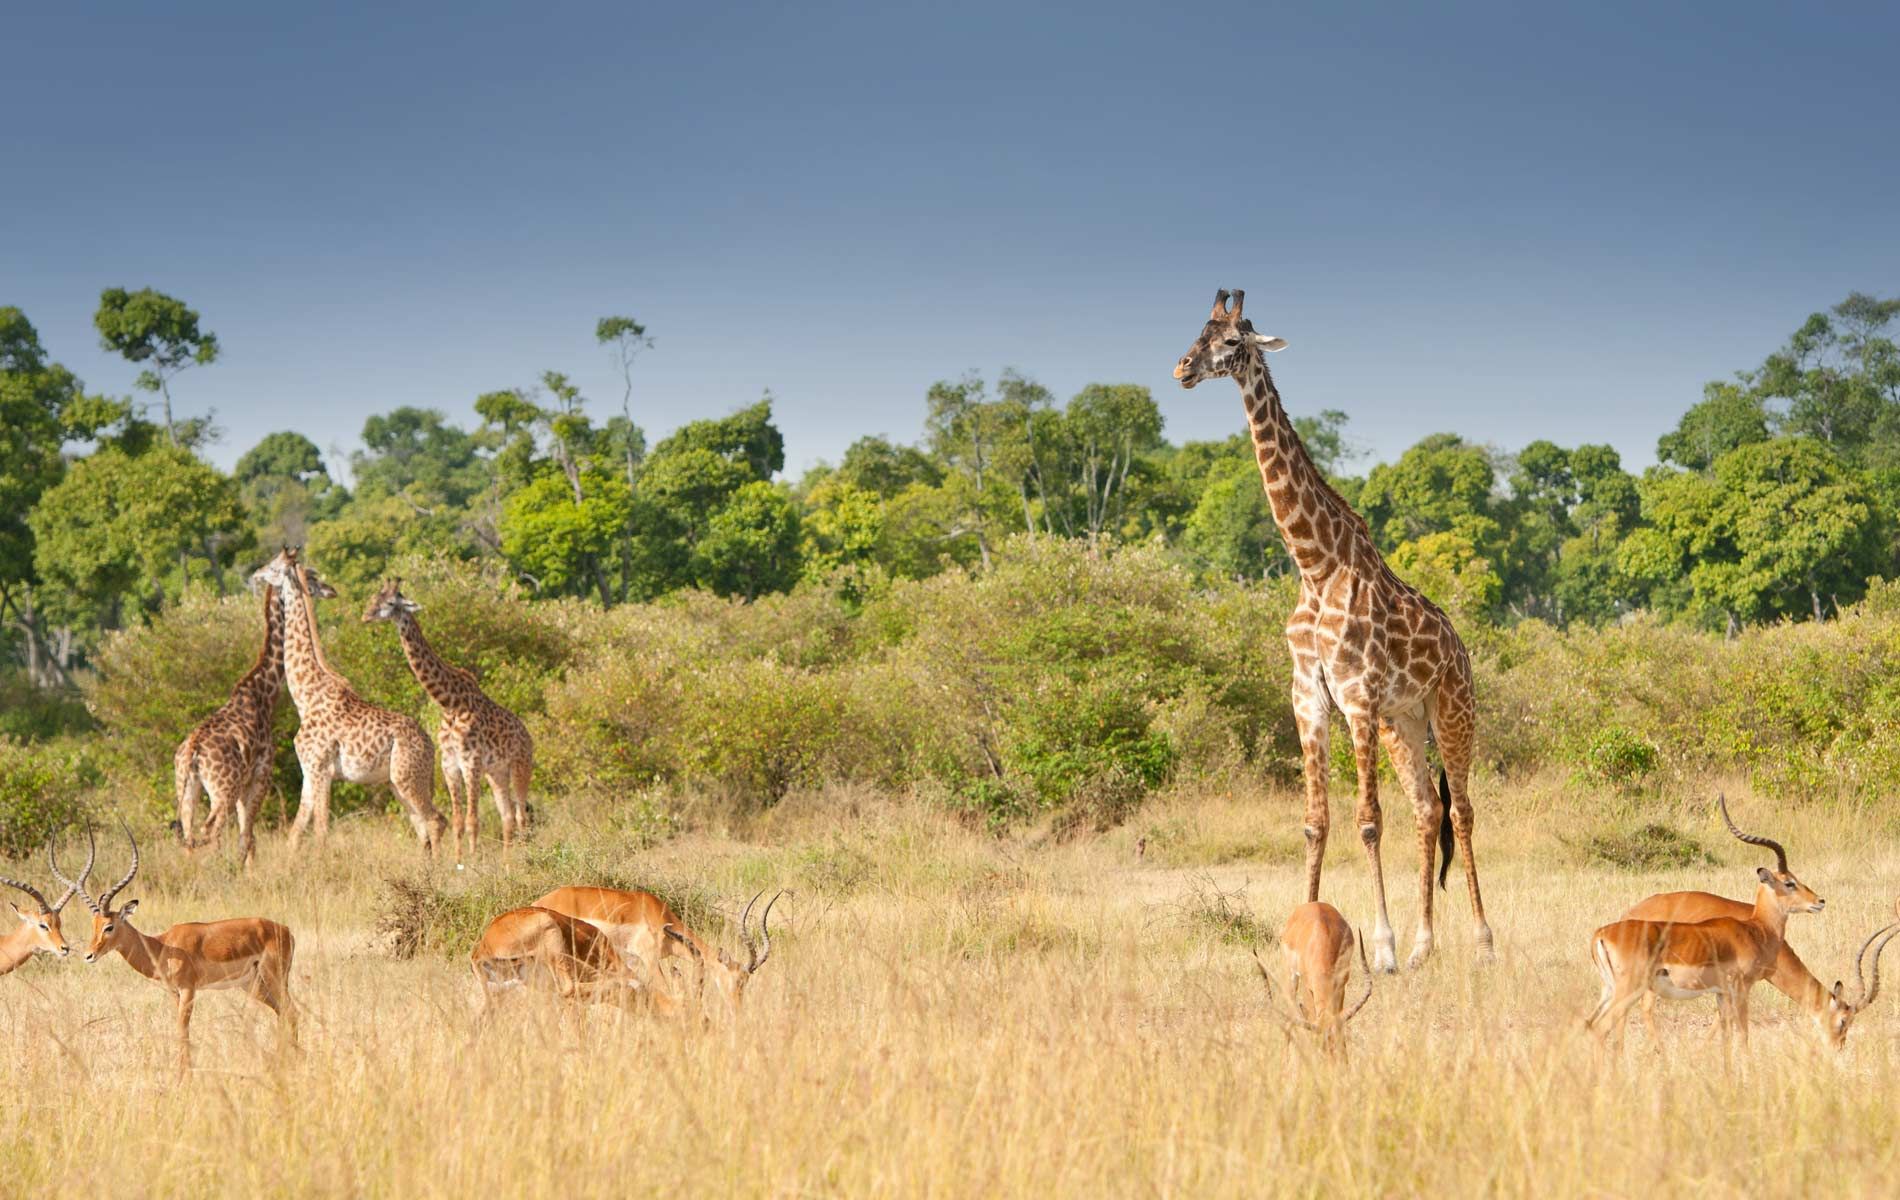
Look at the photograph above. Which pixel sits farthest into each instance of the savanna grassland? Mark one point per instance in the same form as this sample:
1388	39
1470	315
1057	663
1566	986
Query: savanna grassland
950	1012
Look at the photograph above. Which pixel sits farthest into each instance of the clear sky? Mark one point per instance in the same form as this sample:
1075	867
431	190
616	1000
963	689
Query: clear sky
1485	219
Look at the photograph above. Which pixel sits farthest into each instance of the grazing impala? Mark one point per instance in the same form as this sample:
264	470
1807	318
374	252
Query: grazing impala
39	930
1724	956
1316	945
247	952
529	946
645	928
1830	1008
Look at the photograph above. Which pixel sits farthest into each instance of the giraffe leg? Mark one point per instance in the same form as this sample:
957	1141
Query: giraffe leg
1312	710
1365	753
452	780
187	785
497	776
519	774
316	795
1404	739
412	774
1453	726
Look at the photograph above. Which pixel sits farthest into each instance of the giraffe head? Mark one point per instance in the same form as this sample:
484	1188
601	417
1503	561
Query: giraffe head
285	570
389	604
1227	341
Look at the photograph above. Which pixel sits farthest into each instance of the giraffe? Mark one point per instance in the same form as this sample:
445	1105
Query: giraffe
341	734
1363	641
479	738
227	758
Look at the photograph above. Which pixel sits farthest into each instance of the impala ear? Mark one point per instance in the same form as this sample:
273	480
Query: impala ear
131	906
1764	874
1837	991
1268	342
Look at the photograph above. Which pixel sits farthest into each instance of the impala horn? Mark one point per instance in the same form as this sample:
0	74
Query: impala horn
1273	1006
1365	995
77	885
105	901
1781	856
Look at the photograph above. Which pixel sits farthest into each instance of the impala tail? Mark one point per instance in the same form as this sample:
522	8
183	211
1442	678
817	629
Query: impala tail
1444	827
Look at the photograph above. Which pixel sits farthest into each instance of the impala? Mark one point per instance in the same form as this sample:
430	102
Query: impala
645	929
39	930
1723	956
1316	945
533	945
247	952
1830	1008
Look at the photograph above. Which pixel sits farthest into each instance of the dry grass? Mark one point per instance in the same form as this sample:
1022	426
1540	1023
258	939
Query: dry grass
947	1014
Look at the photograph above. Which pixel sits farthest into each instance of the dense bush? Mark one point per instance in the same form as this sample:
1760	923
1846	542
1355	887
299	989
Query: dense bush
40	789
1069	679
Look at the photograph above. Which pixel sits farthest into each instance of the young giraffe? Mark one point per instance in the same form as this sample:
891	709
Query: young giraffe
227	758
1363	640
339	732
479	738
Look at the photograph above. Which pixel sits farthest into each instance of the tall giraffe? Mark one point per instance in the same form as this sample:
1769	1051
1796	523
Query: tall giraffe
227	758
338	732
1363	640
479	738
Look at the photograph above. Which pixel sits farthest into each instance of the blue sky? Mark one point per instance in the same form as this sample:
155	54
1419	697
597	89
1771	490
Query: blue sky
1475	218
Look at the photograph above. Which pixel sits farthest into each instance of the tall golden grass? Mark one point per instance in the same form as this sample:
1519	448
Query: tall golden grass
951	1014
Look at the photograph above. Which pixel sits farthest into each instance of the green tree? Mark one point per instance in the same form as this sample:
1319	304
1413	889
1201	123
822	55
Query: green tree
559	540
750	545
1780	528
42	407
286	487
160	332
1443	484
877	465
625	338
1730	415
117	523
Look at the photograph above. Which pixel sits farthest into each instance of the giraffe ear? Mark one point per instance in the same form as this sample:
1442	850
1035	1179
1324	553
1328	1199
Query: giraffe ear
1268	342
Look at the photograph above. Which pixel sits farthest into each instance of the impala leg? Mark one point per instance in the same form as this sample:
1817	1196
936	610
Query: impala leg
1649	1017
1365	752
1738	1007
1312	710
186	998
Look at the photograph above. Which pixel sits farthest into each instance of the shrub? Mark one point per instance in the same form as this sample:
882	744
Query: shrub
1618	757
41	789
34	714
1652	847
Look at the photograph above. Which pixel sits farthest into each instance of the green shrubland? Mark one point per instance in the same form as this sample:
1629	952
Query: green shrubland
1067	683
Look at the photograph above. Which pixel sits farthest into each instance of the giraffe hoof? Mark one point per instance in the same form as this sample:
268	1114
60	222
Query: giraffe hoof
1385	958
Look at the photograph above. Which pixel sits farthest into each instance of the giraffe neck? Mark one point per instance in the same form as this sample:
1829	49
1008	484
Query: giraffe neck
267	673
438	678
1317	525
304	668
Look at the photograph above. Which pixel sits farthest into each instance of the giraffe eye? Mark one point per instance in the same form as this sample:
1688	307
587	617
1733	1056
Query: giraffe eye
1231	342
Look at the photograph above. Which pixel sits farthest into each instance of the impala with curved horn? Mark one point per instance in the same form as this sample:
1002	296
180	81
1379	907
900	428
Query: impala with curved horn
1830	1008
1723	956
1316	944
537	946
248	952
39	930
645	928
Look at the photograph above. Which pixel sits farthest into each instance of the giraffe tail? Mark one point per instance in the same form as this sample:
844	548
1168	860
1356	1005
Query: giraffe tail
1444	828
